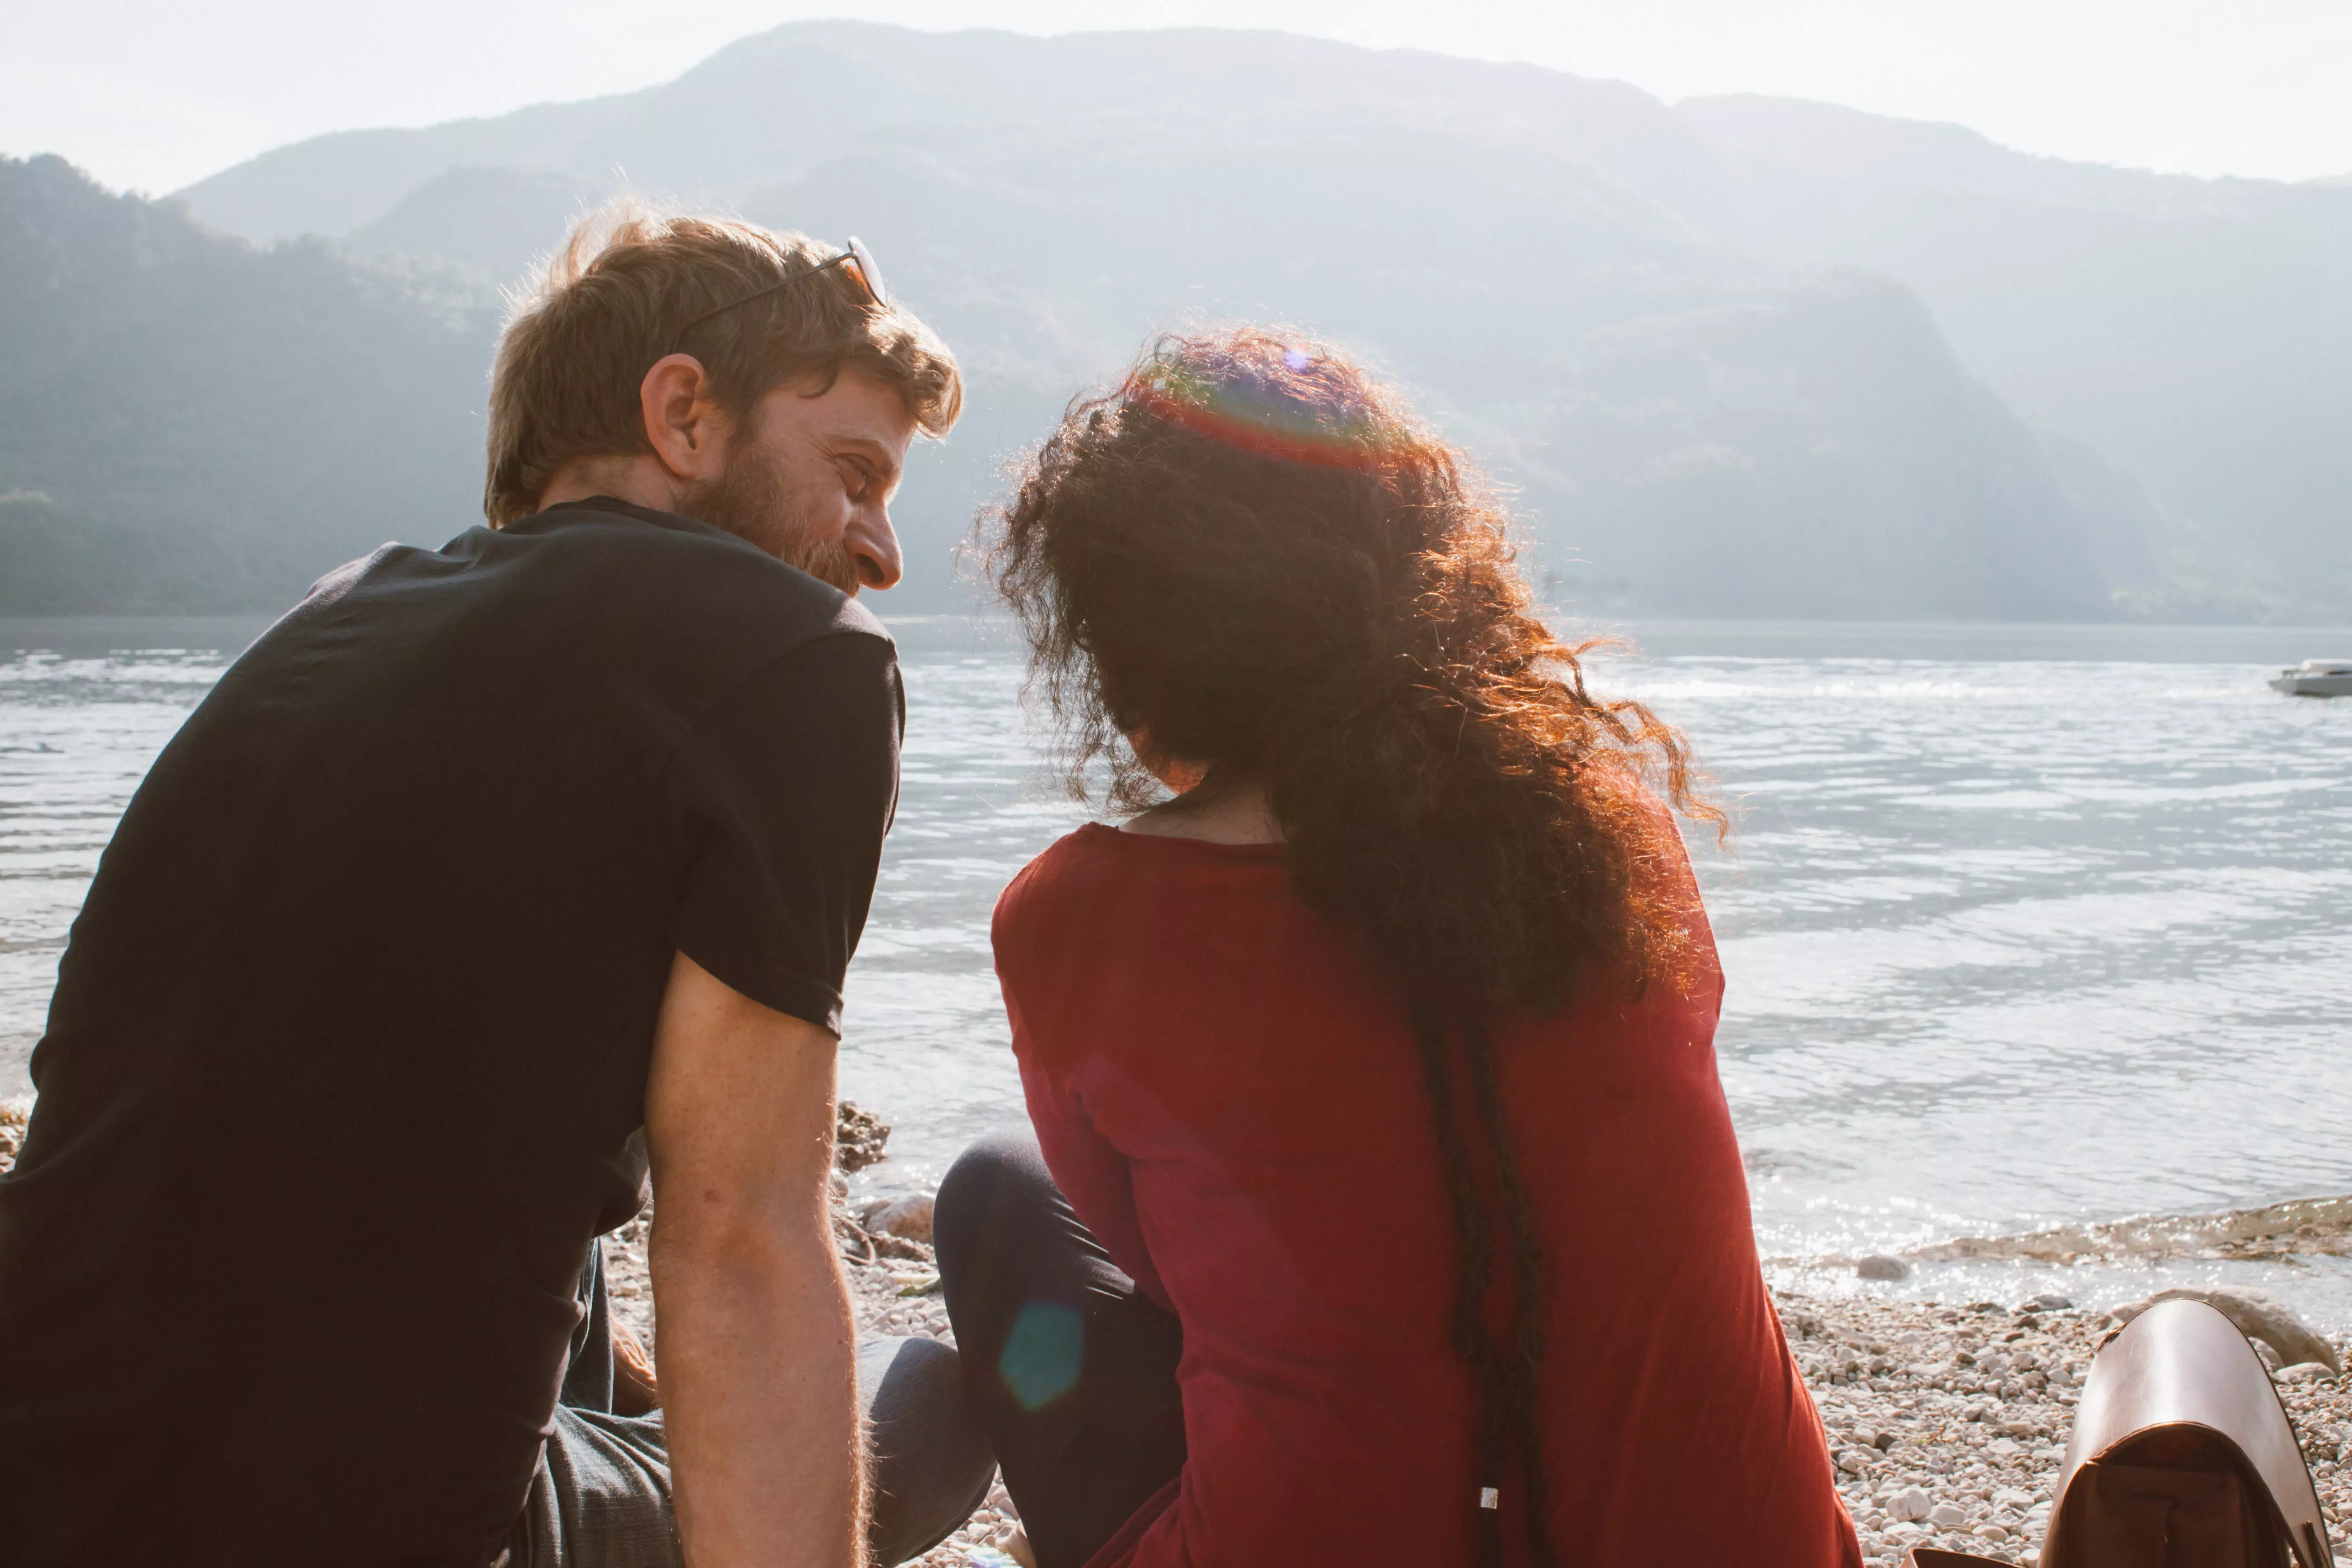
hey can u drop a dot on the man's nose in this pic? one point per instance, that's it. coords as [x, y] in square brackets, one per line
[873, 544]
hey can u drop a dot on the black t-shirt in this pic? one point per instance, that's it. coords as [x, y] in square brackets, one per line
[354, 1025]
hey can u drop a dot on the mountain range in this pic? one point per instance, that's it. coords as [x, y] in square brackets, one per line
[1736, 356]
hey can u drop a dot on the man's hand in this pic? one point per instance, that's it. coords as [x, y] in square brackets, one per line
[758, 1344]
[635, 1390]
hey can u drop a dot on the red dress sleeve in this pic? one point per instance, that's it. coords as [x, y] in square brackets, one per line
[1093, 1174]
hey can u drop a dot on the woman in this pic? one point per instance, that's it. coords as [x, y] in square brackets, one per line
[1383, 1205]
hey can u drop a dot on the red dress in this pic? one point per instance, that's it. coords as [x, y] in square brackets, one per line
[1230, 1097]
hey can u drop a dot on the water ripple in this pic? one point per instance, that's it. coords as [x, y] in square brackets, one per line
[2010, 943]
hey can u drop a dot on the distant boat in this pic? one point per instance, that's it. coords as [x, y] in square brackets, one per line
[2316, 678]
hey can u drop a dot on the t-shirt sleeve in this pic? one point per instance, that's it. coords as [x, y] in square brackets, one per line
[779, 798]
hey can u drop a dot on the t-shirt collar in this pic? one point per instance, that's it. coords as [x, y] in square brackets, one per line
[615, 506]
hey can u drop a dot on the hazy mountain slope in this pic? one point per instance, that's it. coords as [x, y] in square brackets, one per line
[2198, 333]
[492, 222]
[778, 104]
[1568, 273]
[332, 184]
[187, 423]
[1819, 451]
[1691, 433]
[1835, 143]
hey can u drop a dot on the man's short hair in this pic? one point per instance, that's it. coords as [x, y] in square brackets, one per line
[623, 292]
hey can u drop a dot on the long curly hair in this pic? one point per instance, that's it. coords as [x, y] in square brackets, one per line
[1256, 555]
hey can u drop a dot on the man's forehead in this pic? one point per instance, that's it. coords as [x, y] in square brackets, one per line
[858, 406]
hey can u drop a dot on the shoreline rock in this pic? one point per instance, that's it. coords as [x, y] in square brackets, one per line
[859, 1138]
[2259, 1315]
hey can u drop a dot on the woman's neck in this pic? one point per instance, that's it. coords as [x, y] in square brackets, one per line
[1213, 814]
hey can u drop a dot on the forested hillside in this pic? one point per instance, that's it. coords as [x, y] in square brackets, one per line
[2196, 333]
[1738, 358]
[189, 423]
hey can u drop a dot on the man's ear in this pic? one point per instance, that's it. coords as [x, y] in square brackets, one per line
[684, 422]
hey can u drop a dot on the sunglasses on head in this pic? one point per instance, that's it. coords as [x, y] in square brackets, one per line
[856, 261]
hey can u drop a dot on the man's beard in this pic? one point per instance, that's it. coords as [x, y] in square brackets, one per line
[753, 500]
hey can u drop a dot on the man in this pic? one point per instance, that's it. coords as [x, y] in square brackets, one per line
[479, 861]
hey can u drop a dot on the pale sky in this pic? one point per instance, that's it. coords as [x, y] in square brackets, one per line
[153, 94]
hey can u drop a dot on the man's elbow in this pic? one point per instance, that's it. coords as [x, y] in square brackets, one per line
[720, 1239]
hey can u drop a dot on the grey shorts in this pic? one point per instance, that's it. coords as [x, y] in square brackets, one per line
[601, 1498]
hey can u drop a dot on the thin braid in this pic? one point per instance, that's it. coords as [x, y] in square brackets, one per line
[1475, 1273]
[1523, 1380]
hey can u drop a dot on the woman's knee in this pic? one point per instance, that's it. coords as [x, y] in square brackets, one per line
[996, 1178]
[931, 1462]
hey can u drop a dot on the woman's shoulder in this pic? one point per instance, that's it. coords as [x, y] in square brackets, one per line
[1102, 886]
[1064, 872]
[1070, 856]
[1070, 910]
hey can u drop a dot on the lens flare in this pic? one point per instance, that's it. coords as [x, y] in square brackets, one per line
[1042, 1356]
[1308, 420]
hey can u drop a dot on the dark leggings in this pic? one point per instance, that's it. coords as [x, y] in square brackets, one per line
[1070, 1369]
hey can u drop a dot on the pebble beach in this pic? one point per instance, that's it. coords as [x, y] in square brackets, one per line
[1946, 1421]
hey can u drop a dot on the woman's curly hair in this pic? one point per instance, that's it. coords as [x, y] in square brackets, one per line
[1257, 557]
[1255, 552]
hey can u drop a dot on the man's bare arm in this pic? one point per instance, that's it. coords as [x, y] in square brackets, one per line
[758, 1343]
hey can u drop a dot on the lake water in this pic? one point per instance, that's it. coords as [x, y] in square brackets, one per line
[2021, 925]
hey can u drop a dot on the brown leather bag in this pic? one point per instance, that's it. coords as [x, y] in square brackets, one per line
[2181, 1457]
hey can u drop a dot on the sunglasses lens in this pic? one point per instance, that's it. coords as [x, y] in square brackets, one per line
[867, 273]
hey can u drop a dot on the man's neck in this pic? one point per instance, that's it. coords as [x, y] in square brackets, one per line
[639, 479]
